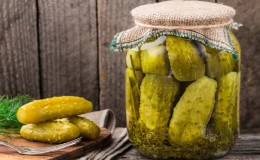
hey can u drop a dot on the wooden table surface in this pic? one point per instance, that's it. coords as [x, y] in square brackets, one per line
[247, 147]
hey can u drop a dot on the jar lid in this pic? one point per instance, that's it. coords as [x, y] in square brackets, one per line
[205, 22]
[183, 15]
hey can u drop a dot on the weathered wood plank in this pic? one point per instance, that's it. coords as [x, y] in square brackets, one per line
[68, 45]
[195, 0]
[248, 35]
[18, 48]
[112, 18]
[246, 147]
[133, 154]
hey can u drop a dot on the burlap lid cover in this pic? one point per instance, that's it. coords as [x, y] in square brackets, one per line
[206, 22]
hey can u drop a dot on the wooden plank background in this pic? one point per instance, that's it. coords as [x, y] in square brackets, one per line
[61, 47]
[19, 64]
[112, 18]
[68, 48]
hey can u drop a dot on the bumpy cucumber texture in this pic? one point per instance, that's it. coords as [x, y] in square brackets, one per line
[185, 61]
[224, 122]
[219, 63]
[52, 108]
[51, 132]
[157, 96]
[192, 112]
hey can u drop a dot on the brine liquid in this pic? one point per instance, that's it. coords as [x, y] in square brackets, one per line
[182, 100]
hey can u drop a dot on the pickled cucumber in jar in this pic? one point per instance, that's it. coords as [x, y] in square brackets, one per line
[224, 122]
[192, 112]
[219, 62]
[132, 88]
[185, 60]
[133, 59]
[157, 96]
[155, 60]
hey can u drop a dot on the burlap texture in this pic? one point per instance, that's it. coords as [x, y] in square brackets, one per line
[208, 23]
[183, 15]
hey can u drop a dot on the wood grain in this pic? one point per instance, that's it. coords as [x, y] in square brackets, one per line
[195, 0]
[19, 67]
[113, 16]
[248, 13]
[69, 153]
[68, 45]
[246, 147]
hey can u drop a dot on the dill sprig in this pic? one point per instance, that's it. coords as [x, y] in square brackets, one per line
[8, 110]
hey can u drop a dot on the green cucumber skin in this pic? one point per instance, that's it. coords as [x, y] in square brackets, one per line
[155, 61]
[224, 122]
[132, 90]
[219, 64]
[133, 59]
[192, 112]
[157, 96]
[185, 62]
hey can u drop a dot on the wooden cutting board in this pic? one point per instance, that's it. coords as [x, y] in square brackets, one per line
[68, 153]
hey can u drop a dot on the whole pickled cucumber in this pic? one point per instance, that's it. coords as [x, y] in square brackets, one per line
[133, 82]
[88, 129]
[192, 112]
[51, 132]
[185, 62]
[133, 59]
[224, 122]
[157, 96]
[154, 60]
[51, 108]
[219, 63]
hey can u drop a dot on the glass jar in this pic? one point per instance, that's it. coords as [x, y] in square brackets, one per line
[182, 79]
[182, 98]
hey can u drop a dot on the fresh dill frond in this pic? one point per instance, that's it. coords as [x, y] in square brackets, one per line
[8, 110]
